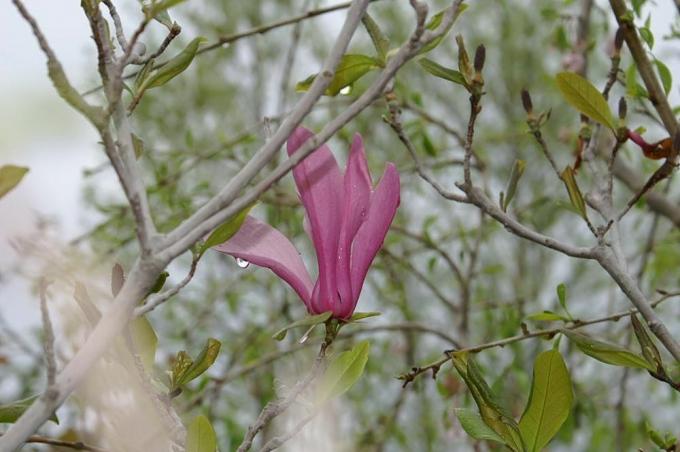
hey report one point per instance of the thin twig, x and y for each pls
(48, 342)
(549, 332)
(76, 445)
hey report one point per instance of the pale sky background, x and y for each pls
(38, 130)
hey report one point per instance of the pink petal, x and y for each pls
(319, 182)
(357, 186)
(371, 234)
(264, 246)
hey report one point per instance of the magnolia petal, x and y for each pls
(264, 246)
(319, 182)
(357, 187)
(371, 234)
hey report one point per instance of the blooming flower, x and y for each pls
(346, 218)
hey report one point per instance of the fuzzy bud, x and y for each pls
(480, 56)
(623, 108)
(526, 101)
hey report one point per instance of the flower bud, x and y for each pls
(623, 108)
(480, 56)
(526, 101)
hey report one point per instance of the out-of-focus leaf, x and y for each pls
(12, 411)
(203, 361)
(226, 230)
(493, 414)
(343, 372)
(606, 352)
(665, 75)
(138, 146)
(173, 67)
(547, 316)
(156, 8)
(201, 436)
(562, 295)
(549, 403)
(144, 73)
(583, 96)
(117, 278)
(145, 340)
(350, 69)
(10, 176)
(380, 41)
(85, 303)
(515, 175)
(474, 425)
(440, 71)
(575, 195)
(647, 36)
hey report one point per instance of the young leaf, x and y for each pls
(350, 69)
(310, 320)
(606, 352)
(583, 96)
(362, 315)
(549, 402)
(173, 67)
(491, 411)
(10, 176)
(343, 372)
(442, 72)
(180, 365)
(201, 436)
(434, 22)
(226, 230)
(633, 88)
(647, 36)
(380, 41)
(11, 412)
(158, 7)
(665, 75)
(515, 175)
(562, 295)
(203, 361)
(649, 350)
(575, 195)
(474, 425)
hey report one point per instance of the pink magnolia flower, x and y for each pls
(346, 218)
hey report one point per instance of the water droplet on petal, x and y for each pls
(242, 262)
(346, 90)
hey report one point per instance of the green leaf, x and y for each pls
(583, 96)
(180, 365)
(145, 340)
(549, 403)
(380, 41)
(547, 316)
(173, 67)
(309, 320)
(633, 88)
(575, 195)
(160, 282)
(562, 295)
(138, 146)
(157, 7)
(362, 315)
(474, 425)
(515, 175)
(143, 74)
(606, 352)
(226, 230)
(647, 36)
(10, 176)
(665, 75)
(11, 412)
(201, 436)
(647, 345)
(203, 361)
(493, 414)
(442, 72)
(350, 69)
(434, 22)
(343, 372)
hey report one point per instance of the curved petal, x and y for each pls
(319, 182)
(357, 188)
(264, 246)
(371, 234)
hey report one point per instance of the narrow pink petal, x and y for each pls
(319, 182)
(264, 246)
(371, 234)
(357, 187)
